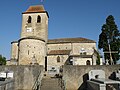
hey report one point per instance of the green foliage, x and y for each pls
(2, 60)
(110, 36)
(98, 59)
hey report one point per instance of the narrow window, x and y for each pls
(29, 19)
(88, 62)
(38, 19)
(58, 59)
(28, 52)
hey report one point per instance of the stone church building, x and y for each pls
(34, 47)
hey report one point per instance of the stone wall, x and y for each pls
(39, 30)
(52, 61)
(74, 47)
(14, 50)
(63, 46)
(29, 48)
(75, 77)
(24, 76)
(86, 47)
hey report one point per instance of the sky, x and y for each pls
(67, 19)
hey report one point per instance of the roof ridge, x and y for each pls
(71, 40)
(35, 8)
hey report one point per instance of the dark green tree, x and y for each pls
(2, 60)
(110, 39)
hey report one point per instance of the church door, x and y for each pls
(45, 63)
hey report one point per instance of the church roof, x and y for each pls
(36, 9)
(82, 56)
(70, 40)
(59, 52)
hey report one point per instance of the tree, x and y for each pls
(98, 59)
(109, 39)
(2, 60)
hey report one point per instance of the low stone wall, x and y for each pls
(75, 77)
(24, 76)
(7, 85)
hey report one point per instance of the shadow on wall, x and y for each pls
(84, 84)
(113, 76)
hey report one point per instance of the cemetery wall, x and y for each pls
(24, 76)
(75, 77)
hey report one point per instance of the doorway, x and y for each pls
(46, 63)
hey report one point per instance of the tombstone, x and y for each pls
(3, 75)
(10, 74)
(97, 81)
(6, 74)
(118, 75)
(95, 74)
(107, 62)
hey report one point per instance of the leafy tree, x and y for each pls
(2, 60)
(110, 39)
(98, 59)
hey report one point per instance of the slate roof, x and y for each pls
(59, 52)
(70, 40)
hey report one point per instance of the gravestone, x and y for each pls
(10, 74)
(95, 74)
(2, 75)
(97, 81)
(6, 74)
(118, 75)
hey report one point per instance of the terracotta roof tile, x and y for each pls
(70, 40)
(82, 56)
(59, 52)
(37, 8)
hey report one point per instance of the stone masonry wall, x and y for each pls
(14, 50)
(74, 47)
(39, 30)
(75, 77)
(30, 48)
(87, 47)
(25, 76)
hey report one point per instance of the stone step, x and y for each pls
(50, 84)
(50, 88)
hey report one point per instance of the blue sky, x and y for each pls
(68, 18)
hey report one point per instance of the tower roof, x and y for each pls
(36, 9)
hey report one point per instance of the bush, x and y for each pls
(2, 60)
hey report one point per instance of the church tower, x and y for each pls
(34, 36)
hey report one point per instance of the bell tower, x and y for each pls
(35, 23)
(34, 36)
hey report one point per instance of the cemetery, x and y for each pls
(6, 80)
(97, 81)
(97, 77)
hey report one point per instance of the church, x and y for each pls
(34, 47)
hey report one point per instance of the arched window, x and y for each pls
(38, 19)
(29, 19)
(58, 59)
(88, 62)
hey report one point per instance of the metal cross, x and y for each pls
(111, 60)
